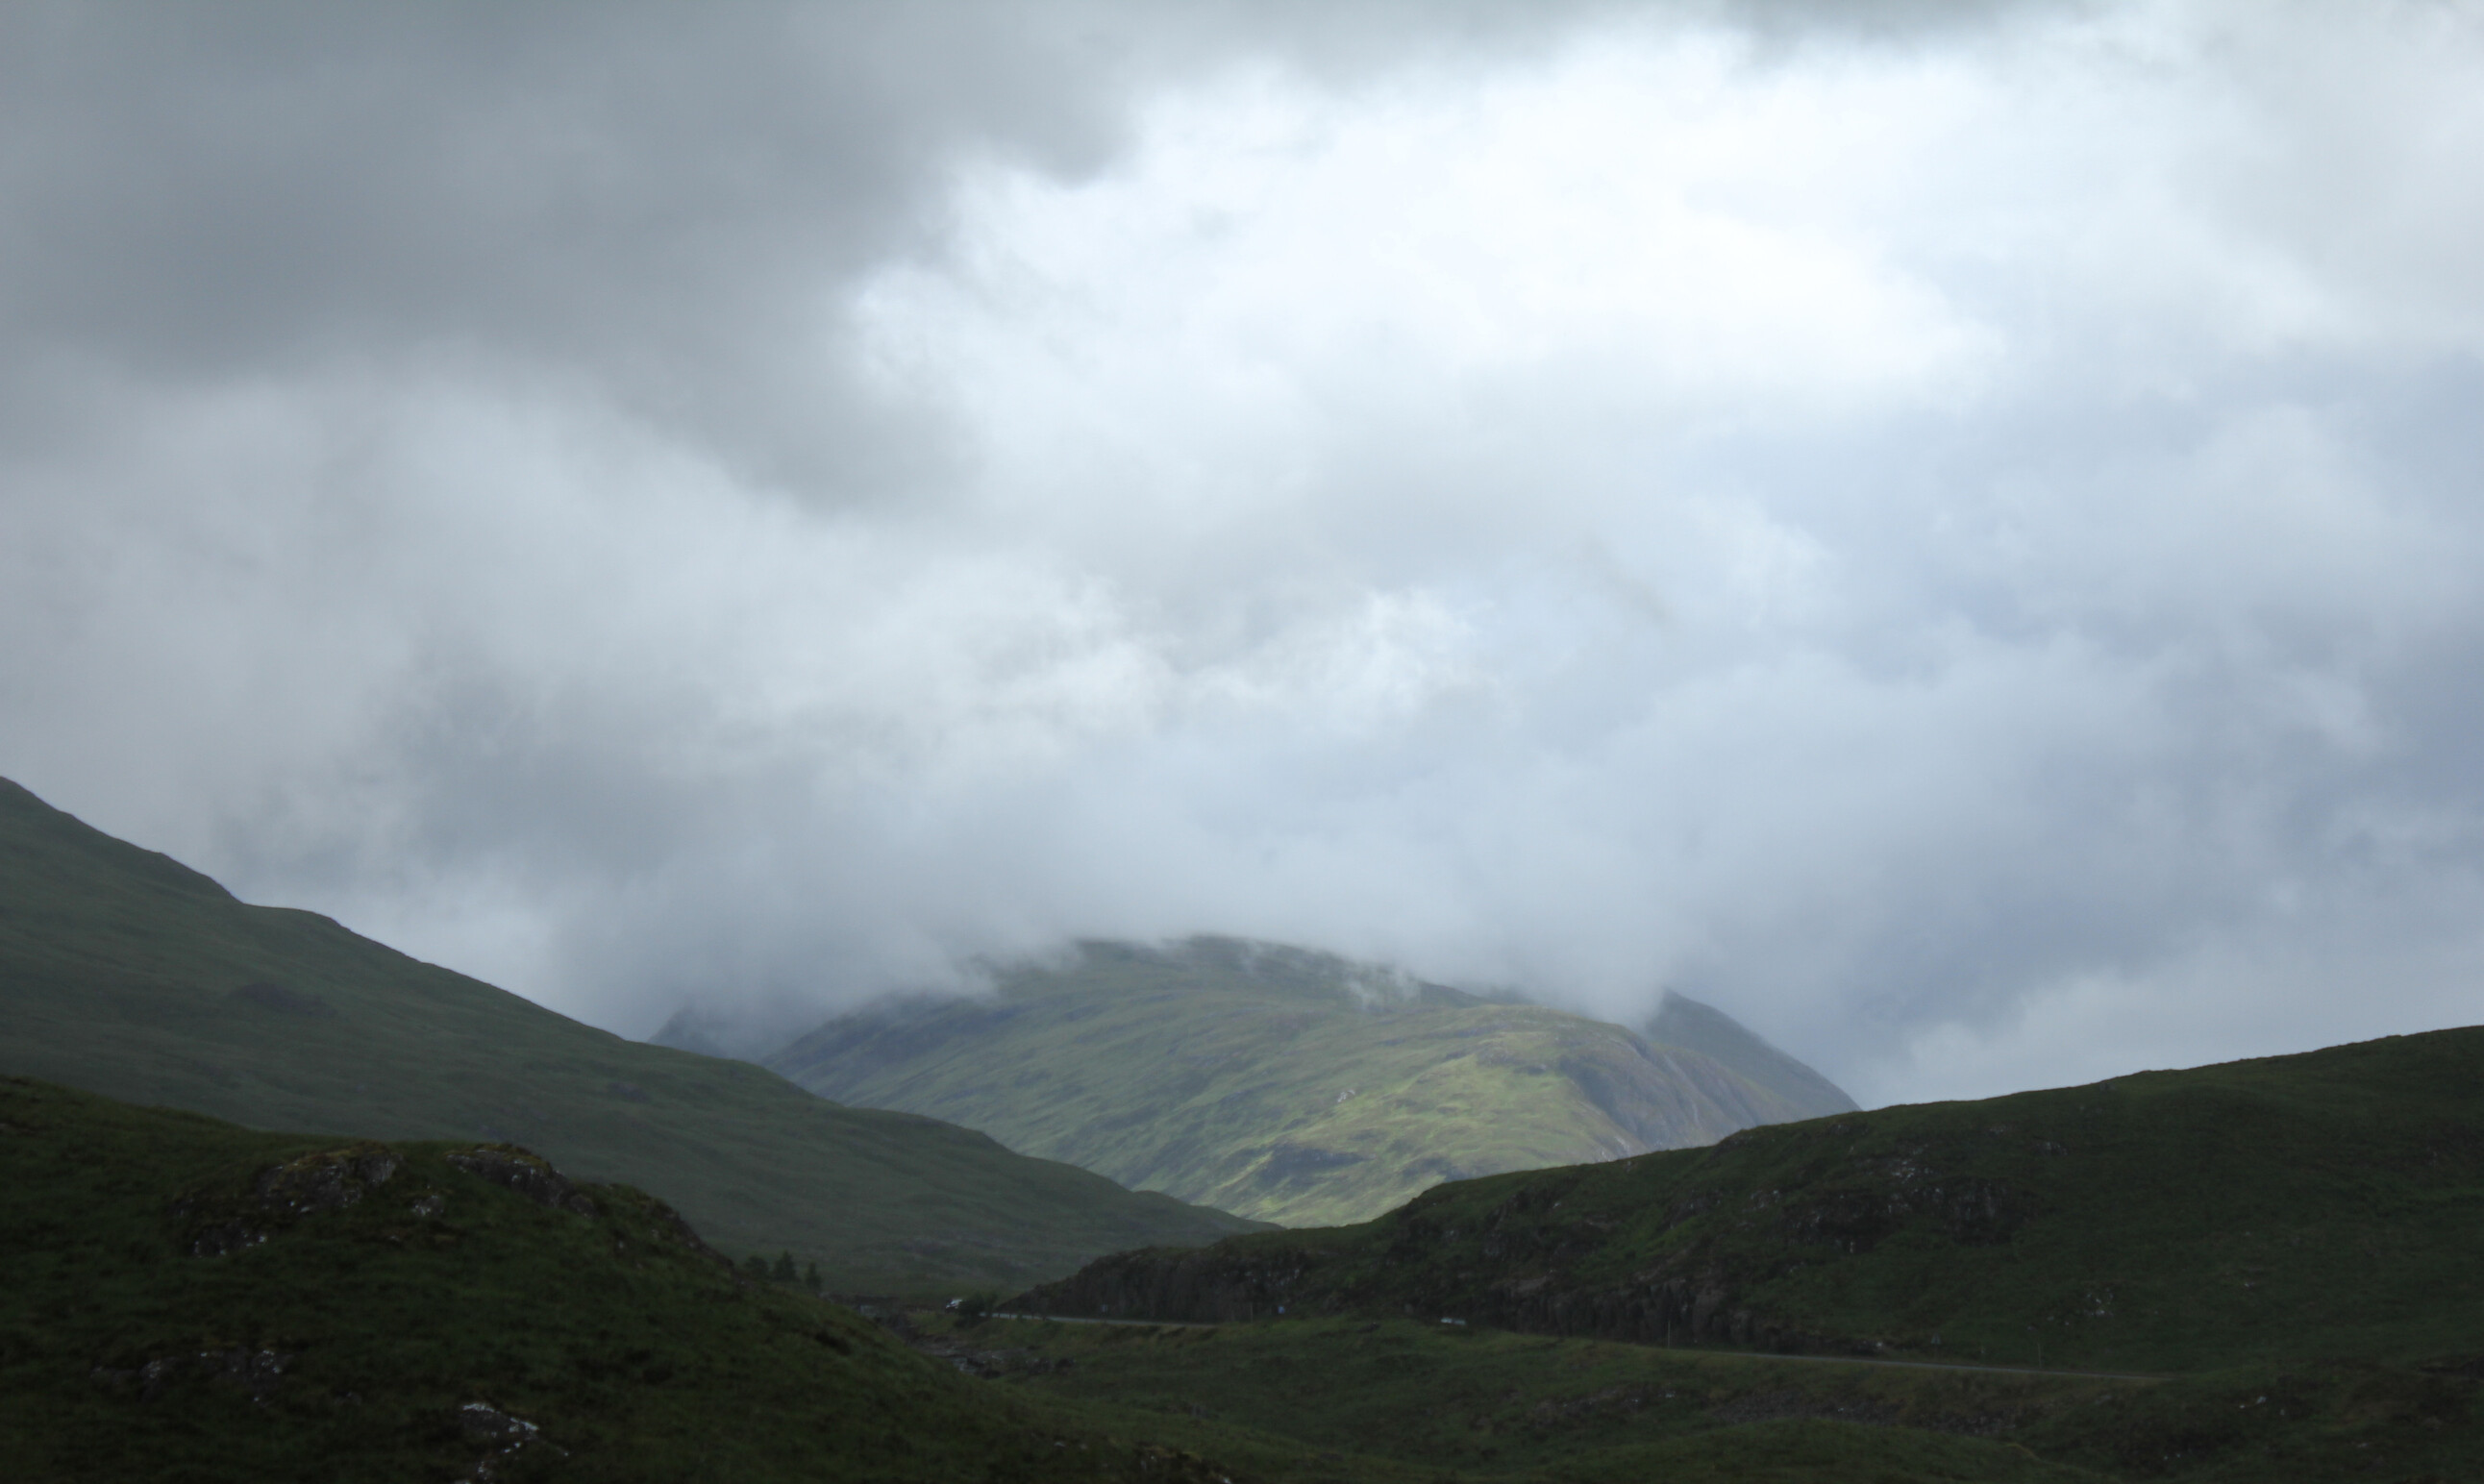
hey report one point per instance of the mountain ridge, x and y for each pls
(1285, 1082)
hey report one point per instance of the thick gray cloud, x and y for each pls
(1951, 534)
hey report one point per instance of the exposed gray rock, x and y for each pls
(531, 1175)
(281, 1195)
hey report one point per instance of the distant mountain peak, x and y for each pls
(1288, 1083)
(1696, 1026)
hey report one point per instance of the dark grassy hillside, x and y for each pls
(124, 972)
(2327, 1204)
(1491, 1404)
(1289, 1084)
(190, 1301)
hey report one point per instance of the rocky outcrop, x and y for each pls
(281, 1195)
(528, 1173)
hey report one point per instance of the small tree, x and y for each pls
(811, 1276)
(974, 1306)
(755, 1265)
(783, 1271)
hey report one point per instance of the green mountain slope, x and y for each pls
(1283, 1084)
(189, 1300)
(2327, 1203)
(125, 972)
(1685, 1022)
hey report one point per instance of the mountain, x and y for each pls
(190, 1300)
(1685, 1022)
(1289, 1084)
(126, 973)
(2322, 1204)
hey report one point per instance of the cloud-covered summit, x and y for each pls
(1953, 536)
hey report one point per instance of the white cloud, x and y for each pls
(1956, 543)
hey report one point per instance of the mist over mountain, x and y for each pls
(1290, 1085)
(1948, 529)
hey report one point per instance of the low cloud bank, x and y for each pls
(1953, 538)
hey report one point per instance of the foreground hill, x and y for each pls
(190, 1300)
(125, 972)
(2319, 1205)
(1294, 1086)
(1464, 1402)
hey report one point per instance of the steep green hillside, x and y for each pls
(124, 972)
(1288, 1085)
(190, 1301)
(2323, 1205)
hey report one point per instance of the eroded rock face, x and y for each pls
(531, 1175)
(281, 1195)
(501, 1434)
(327, 1181)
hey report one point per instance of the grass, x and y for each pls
(126, 973)
(1291, 1085)
(366, 1342)
(1493, 1404)
(2259, 1212)
(466, 1316)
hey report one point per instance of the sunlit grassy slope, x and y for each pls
(2324, 1204)
(1288, 1085)
(124, 972)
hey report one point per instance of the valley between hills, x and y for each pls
(282, 1204)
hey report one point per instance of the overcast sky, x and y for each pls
(1956, 533)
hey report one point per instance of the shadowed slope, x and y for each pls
(2325, 1203)
(126, 973)
(188, 1300)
